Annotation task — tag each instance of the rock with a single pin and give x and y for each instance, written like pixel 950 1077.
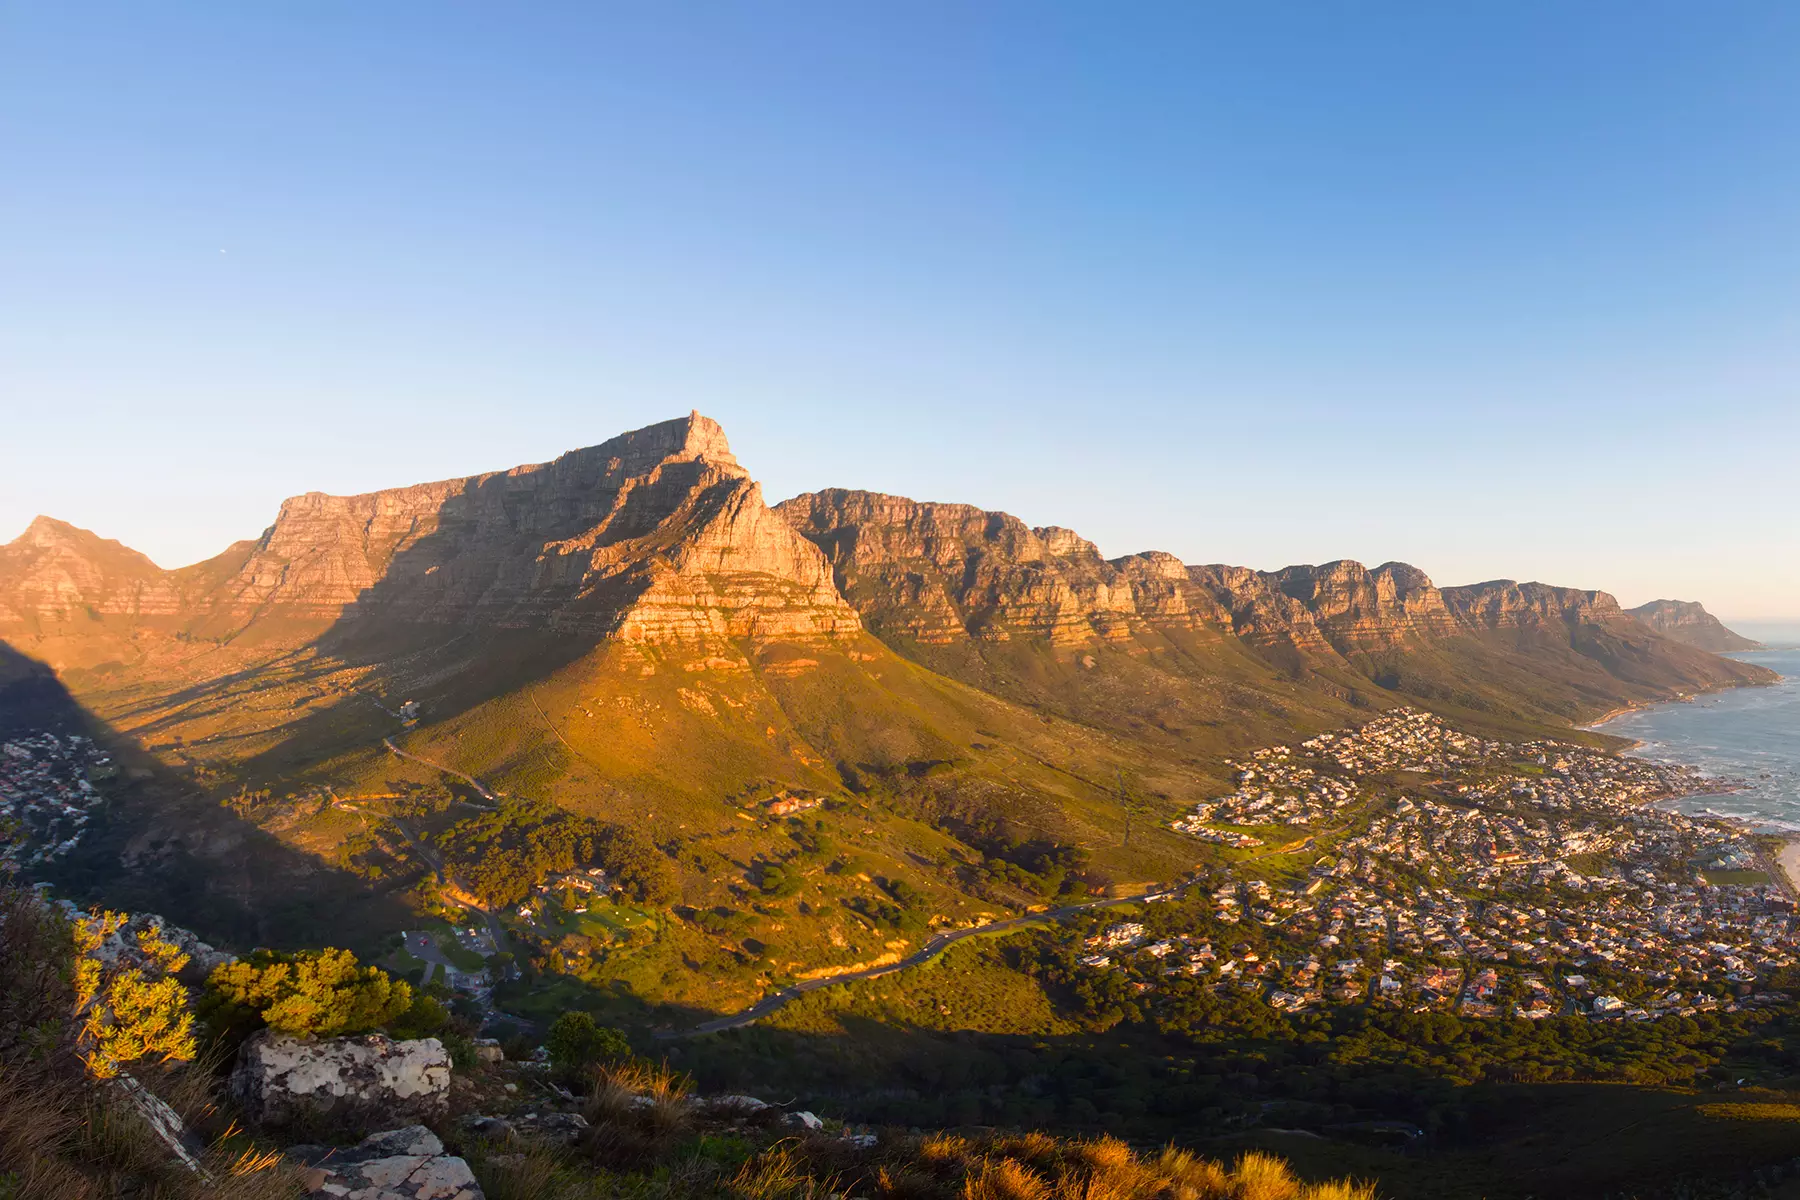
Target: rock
pixel 278 1076
pixel 496 1129
pixel 742 1105
pixel 804 1120
pixel 488 1051
pixel 1689 623
pixel 398 1164
pixel 564 1125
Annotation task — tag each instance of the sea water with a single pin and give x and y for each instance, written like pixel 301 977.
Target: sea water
pixel 1747 736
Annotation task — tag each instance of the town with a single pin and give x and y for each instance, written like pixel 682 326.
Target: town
pixel 47 795
pixel 1446 872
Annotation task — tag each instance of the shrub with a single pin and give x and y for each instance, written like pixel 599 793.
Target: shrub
pixel 321 993
pixel 130 1006
pixel 576 1041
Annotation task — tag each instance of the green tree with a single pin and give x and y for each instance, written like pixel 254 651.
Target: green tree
pixel 321 993
pixel 576 1041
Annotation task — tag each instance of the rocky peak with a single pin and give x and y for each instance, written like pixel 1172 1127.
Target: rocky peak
pixel 1359 609
pixel 1504 604
pixel 1688 622
pixel 57 572
pixel 655 534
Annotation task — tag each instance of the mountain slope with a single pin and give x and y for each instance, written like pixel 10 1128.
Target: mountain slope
pixel 1688 622
pixel 965 591
pixel 631 634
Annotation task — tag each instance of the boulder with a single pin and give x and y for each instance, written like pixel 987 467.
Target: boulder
pixel 805 1121
pixel 562 1126
pixel 278 1076
pixel 399 1164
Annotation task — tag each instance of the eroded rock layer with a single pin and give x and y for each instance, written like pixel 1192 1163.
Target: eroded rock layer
pixel 656 535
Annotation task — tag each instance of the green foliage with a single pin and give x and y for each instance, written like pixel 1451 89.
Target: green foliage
pixel 501 856
pixel 576 1041
pixel 321 993
pixel 129 1004
pixel 426 1016
pixel 773 879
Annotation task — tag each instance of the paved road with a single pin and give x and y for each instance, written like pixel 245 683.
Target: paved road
pixel 936 946
pixel 480 788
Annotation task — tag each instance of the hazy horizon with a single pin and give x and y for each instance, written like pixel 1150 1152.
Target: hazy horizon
pixel 1501 293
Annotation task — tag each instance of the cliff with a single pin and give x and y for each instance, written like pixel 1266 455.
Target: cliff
pixel 939 576
pixel 654 536
pixel 1689 623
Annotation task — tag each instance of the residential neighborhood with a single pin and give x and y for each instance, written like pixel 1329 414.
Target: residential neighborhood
pixel 47 795
pixel 1486 878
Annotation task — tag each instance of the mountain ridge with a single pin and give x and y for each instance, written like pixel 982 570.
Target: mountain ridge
pixel 1688 622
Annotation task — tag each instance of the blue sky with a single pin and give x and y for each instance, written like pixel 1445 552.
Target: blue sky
pixel 1498 289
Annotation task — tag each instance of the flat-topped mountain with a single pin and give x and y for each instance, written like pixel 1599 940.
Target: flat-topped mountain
pixel 656 535
pixel 1688 622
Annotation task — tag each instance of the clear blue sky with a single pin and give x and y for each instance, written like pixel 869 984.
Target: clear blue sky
pixel 1500 289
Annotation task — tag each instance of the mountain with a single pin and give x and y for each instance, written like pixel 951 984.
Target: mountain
pixel 1688 622
pixel 1032 613
pixel 631 634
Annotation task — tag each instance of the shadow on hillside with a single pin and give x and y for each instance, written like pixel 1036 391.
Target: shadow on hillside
pixel 159 843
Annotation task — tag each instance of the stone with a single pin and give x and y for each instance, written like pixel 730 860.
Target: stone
pixel 804 1120
pixel 278 1076
pixel 396 1164
pixel 488 1051
pixel 566 1126
pixel 493 1128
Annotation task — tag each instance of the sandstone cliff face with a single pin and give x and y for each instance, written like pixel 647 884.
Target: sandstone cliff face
pixel 54 572
pixel 1504 604
pixel 1689 623
pixel 656 535
pixel 942 574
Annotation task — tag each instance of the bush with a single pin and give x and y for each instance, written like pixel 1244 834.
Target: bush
pixel 575 1041
pixel 318 993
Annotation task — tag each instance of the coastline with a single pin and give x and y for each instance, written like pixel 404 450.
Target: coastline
pixel 1787 859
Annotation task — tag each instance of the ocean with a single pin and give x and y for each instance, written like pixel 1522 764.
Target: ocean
pixel 1750 735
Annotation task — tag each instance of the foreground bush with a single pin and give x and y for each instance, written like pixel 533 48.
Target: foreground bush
pixel 318 993
pixel 575 1041
pixel 67 1017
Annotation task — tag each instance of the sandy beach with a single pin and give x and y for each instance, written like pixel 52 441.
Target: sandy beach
pixel 1788 857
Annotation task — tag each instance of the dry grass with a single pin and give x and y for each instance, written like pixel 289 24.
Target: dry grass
pixel 637 1113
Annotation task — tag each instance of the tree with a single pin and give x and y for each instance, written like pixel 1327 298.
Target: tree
pixel 319 993
pixel 575 1041
pixel 128 1004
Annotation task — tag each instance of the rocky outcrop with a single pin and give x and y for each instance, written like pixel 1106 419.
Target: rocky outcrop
pixel 1503 604
pixel 55 573
pixel 278 1077
pixel 658 535
pixel 1688 622
pixel 940 575
pixel 399 1164
pixel 943 573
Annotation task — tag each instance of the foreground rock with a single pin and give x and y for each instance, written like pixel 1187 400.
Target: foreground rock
pixel 279 1077
pixel 400 1164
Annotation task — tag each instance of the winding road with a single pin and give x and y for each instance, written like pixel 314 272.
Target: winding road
pixel 930 950
pixel 480 788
